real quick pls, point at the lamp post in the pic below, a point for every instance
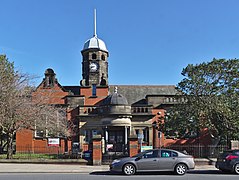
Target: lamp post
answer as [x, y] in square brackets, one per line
[158, 126]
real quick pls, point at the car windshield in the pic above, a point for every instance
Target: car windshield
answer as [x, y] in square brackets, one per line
[236, 152]
[225, 153]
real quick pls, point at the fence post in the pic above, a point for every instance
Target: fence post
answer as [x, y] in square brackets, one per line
[133, 145]
[97, 150]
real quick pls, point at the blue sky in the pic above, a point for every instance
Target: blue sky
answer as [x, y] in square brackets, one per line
[149, 41]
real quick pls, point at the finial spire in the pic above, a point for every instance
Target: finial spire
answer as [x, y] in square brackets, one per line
[95, 35]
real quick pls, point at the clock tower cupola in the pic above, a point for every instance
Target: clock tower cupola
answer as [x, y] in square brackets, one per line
[95, 61]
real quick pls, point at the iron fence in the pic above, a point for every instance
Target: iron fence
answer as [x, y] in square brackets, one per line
[200, 151]
[26, 152]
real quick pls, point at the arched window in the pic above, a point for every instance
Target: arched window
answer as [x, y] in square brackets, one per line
[93, 56]
[103, 57]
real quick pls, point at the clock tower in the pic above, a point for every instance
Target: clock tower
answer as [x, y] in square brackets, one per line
[95, 61]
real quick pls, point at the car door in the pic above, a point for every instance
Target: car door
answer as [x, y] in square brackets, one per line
[148, 161]
[167, 159]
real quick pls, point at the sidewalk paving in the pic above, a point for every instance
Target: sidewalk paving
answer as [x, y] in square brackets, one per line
[71, 166]
[64, 168]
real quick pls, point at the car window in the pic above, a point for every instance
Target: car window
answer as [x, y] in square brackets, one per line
[225, 153]
[236, 152]
[174, 154]
[165, 153]
[151, 154]
[138, 155]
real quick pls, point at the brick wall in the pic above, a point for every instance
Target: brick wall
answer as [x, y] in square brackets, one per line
[97, 150]
[133, 145]
[25, 138]
[53, 95]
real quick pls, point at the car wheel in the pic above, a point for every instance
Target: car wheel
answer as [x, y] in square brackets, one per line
[180, 169]
[129, 169]
[236, 168]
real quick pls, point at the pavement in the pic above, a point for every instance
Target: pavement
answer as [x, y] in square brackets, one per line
[54, 167]
[64, 168]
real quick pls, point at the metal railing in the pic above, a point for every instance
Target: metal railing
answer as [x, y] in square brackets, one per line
[26, 152]
[200, 151]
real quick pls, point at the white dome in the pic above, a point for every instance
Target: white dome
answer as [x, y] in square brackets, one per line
[95, 42]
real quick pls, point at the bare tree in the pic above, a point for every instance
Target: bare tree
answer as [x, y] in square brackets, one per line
[19, 110]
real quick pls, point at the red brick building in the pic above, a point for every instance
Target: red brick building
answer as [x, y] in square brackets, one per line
[115, 112]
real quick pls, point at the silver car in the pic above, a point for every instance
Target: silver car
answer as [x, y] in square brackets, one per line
[154, 160]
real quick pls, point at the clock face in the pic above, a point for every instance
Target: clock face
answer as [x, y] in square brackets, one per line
[93, 67]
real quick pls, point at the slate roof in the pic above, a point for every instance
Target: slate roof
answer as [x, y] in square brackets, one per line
[137, 93]
[73, 89]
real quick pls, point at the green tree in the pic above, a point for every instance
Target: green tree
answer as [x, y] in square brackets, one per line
[18, 110]
[208, 98]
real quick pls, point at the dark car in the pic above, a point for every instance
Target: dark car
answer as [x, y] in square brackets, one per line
[154, 160]
[228, 161]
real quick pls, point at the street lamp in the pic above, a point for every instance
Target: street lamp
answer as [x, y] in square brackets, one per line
[155, 133]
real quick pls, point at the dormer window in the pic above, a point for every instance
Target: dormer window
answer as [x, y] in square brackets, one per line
[93, 56]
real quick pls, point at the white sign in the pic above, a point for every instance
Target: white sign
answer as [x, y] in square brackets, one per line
[54, 142]
[144, 148]
[109, 147]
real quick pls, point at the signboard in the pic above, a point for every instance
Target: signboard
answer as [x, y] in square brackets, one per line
[234, 145]
[54, 142]
[144, 148]
[109, 147]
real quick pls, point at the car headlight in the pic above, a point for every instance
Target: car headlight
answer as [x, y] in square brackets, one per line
[116, 161]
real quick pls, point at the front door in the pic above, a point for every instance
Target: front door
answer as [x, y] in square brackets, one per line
[149, 161]
[116, 138]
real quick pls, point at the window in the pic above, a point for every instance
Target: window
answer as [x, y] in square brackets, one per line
[87, 136]
[146, 133]
[151, 154]
[40, 133]
[93, 89]
[94, 56]
[165, 153]
[103, 57]
[90, 133]
[94, 132]
[174, 154]
[142, 134]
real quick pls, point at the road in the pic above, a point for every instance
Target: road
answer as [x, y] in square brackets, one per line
[105, 175]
